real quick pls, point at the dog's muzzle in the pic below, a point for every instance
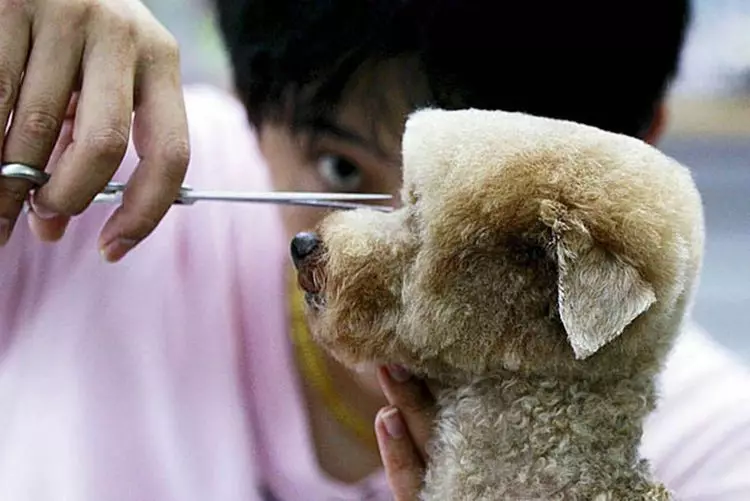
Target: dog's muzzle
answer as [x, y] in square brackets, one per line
[303, 246]
[305, 249]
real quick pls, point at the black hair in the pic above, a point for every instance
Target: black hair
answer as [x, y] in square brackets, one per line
[606, 64]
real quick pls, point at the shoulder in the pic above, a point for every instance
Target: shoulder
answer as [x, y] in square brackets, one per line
[699, 437]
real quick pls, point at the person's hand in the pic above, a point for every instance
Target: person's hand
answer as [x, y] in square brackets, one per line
[122, 61]
[403, 429]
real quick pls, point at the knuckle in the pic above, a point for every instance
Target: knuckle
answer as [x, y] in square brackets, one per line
[87, 10]
[72, 15]
[167, 49]
[76, 14]
[131, 29]
[37, 125]
[123, 27]
[9, 7]
[117, 22]
[107, 144]
[160, 50]
[175, 153]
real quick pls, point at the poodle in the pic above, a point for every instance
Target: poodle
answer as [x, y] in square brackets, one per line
[538, 270]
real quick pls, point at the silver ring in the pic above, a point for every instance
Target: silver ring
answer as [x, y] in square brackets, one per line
[25, 172]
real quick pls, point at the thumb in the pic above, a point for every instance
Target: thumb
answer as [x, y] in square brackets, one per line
[403, 465]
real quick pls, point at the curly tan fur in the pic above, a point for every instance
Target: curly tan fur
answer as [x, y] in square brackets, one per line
[539, 270]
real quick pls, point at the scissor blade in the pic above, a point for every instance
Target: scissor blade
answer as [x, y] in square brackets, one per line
[309, 199]
[190, 196]
[323, 204]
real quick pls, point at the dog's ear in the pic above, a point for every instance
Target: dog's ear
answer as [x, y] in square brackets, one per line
[599, 294]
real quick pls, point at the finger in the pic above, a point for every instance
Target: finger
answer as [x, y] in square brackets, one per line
[15, 41]
[15, 32]
[49, 229]
[414, 399]
[102, 124]
[44, 95]
[160, 135]
[402, 464]
[46, 225]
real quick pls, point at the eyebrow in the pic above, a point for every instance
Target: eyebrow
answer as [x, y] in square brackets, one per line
[324, 126]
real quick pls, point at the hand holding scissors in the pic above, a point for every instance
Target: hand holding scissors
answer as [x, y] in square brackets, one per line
[114, 69]
[113, 191]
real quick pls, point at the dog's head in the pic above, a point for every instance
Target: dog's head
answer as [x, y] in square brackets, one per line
[523, 244]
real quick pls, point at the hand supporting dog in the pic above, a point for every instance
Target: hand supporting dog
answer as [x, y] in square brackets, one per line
[403, 430]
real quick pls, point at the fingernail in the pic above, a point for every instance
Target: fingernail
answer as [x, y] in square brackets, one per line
[394, 425]
[116, 249]
[4, 229]
[398, 373]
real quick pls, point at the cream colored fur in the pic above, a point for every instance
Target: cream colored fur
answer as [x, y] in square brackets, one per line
[539, 270]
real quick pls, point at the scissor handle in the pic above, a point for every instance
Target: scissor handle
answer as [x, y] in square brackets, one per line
[113, 188]
[184, 197]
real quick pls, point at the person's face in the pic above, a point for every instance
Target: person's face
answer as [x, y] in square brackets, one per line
[352, 153]
[344, 159]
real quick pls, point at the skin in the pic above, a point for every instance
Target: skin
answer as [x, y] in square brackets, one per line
[99, 61]
[94, 65]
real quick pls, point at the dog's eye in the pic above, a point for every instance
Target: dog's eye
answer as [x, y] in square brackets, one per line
[339, 173]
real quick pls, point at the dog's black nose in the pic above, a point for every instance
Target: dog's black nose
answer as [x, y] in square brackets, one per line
[304, 244]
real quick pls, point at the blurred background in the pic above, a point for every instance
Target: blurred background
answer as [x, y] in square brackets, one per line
[709, 131]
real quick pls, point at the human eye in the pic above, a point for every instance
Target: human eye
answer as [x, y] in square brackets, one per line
[339, 173]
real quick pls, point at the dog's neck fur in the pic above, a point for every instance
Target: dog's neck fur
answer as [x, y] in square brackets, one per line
[548, 440]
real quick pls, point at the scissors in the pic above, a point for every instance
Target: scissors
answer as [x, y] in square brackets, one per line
[112, 193]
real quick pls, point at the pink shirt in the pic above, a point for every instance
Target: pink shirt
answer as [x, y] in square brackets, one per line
[169, 376]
